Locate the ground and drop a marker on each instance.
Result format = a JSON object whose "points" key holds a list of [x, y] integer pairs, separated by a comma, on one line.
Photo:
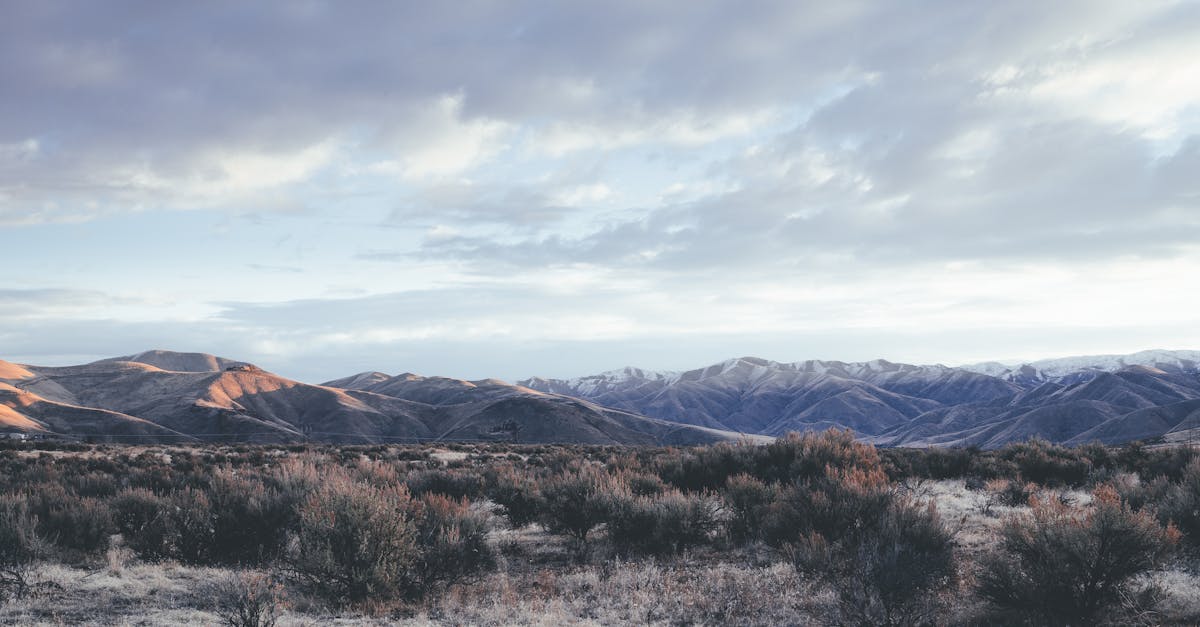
{"points": [[541, 580]]}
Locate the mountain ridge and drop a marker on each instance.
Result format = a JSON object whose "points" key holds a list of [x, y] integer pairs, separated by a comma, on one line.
{"points": [[166, 396], [902, 404], [161, 395]]}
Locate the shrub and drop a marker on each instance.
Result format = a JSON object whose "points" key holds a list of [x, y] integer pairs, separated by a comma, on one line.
{"points": [[1180, 503], [643, 484], [355, 542], [800, 457], [747, 499], [577, 501], [78, 525], [1065, 566], [706, 468], [142, 519], [250, 600], [894, 571], [1047, 464], [19, 545], [1010, 492], [451, 540], [190, 532], [517, 495], [842, 501], [662, 524], [454, 484], [250, 520]]}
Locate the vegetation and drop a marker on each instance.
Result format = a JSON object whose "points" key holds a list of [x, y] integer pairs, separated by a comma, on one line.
{"points": [[1070, 566], [812, 528]]}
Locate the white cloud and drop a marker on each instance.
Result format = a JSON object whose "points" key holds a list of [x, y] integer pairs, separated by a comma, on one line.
{"points": [[680, 128], [439, 142]]}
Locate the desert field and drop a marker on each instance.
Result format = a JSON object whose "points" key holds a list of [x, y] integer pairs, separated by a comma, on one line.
{"points": [[813, 529]]}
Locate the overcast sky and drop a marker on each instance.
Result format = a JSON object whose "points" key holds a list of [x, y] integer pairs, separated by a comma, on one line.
{"points": [[556, 188]]}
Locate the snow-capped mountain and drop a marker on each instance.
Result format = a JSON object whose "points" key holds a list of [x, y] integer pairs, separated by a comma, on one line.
{"points": [[1071, 399], [1180, 362]]}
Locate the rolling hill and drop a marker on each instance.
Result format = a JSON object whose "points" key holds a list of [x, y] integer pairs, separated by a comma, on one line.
{"points": [[165, 396], [161, 396]]}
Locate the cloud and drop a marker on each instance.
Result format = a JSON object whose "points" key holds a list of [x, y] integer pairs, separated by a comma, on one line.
{"points": [[544, 174]]}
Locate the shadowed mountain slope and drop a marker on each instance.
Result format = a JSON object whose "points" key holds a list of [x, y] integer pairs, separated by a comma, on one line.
{"points": [[900, 404]]}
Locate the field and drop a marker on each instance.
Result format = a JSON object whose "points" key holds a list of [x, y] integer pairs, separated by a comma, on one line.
{"points": [[814, 529]]}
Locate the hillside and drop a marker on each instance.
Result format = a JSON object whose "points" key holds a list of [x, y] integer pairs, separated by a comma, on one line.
{"points": [[164, 396], [909, 405]]}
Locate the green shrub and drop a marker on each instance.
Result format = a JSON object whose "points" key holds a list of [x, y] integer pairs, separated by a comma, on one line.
{"points": [[1047, 464], [801, 457], [1061, 565], [191, 535]]}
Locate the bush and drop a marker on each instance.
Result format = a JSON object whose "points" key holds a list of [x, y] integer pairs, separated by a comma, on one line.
{"points": [[142, 518], [250, 520], [1065, 566], [190, 534], [894, 571], [662, 524], [1047, 464], [801, 457], [517, 495], [355, 542], [1010, 492], [1179, 503], [19, 545], [747, 499], [78, 525], [577, 501], [453, 484], [451, 539], [250, 600], [842, 501]]}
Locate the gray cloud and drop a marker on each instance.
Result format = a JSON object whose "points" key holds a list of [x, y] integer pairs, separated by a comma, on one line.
{"points": [[829, 144]]}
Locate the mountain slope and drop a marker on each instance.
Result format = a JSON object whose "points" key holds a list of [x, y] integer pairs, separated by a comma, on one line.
{"points": [[493, 409], [900, 404], [166, 396]]}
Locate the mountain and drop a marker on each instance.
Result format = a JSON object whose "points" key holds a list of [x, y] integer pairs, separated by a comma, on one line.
{"points": [[1175, 362], [893, 404], [163, 396], [179, 362], [168, 397], [760, 396]]}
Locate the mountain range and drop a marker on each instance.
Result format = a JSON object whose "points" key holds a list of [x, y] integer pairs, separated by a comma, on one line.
{"points": [[163, 396], [1107, 398]]}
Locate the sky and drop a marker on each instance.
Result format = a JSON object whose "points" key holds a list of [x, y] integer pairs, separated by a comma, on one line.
{"points": [[509, 189]]}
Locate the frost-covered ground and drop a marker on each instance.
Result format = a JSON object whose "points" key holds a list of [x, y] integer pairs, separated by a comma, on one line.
{"points": [[539, 582]]}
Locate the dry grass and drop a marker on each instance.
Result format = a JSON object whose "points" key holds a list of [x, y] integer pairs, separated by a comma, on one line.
{"points": [[540, 582]]}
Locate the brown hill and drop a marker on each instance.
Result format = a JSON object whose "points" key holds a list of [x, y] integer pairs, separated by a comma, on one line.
{"points": [[170, 396]]}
